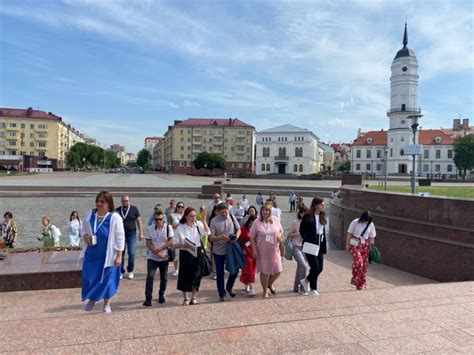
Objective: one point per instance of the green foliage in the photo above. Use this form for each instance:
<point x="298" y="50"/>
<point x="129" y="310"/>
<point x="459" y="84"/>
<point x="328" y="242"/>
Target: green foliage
<point x="209" y="161"/>
<point x="464" y="153"/>
<point x="345" y="165"/>
<point x="144" y="159"/>
<point x="449" y="191"/>
<point x="82" y="155"/>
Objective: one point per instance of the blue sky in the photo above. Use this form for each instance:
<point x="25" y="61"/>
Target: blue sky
<point x="122" y="70"/>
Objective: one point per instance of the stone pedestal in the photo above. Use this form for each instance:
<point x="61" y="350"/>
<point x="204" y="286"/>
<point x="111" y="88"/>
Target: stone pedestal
<point x="25" y="271"/>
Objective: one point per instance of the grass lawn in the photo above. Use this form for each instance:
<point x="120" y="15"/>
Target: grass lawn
<point x="448" y="191"/>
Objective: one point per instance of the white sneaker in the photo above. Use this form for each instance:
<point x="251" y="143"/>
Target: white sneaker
<point x="313" y="293"/>
<point x="175" y="273"/>
<point x="353" y="286"/>
<point x="130" y="275"/>
<point x="247" y="288"/>
<point x="252" y="292"/>
<point x="305" y="284"/>
<point x="107" y="309"/>
<point x="121" y="276"/>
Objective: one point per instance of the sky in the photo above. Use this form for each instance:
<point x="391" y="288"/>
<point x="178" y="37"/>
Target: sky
<point x="121" y="70"/>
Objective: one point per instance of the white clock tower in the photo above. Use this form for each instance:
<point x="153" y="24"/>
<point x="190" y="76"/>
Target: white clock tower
<point x="403" y="103"/>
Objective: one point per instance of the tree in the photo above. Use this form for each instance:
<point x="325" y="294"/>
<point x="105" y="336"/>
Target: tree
<point x="112" y="161"/>
<point x="464" y="153"/>
<point x="144" y="159"/>
<point x="345" y="165"/>
<point x="209" y="161"/>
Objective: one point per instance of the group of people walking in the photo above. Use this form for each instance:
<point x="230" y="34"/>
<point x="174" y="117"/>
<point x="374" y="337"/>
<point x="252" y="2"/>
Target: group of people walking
<point x="212" y="240"/>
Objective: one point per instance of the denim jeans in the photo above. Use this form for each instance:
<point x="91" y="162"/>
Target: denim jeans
<point x="219" y="261"/>
<point x="152" y="265"/>
<point x="130" y="246"/>
<point x="300" y="266"/>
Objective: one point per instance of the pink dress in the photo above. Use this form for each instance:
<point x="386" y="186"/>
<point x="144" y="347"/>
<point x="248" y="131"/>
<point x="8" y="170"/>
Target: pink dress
<point x="268" y="247"/>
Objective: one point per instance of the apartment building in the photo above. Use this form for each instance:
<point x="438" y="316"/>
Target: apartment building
<point x="34" y="133"/>
<point x="232" y="138"/>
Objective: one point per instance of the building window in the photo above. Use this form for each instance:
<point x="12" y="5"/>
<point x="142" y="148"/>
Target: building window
<point x="369" y="153"/>
<point x="438" y="153"/>
<point x="426" y="168"/>
<point x="358" y="153"/>
<point x="41" y="126"/>
<point x="379" y="153"/>
<point x="12" y="125"/>
<point x="449" y="168"/>
<point x="357" y="166"/>
<point x="298" y="152"/>
<point x="367" y="167"/>
<point x="42" y="154"/>
<point x="12" y="143"/>
<point x="32" y="126"/>
<point x="22" y="125"/>
<point x="437" y="168"/>
<point x="181" y="163"/>
<point x="295" y="168"/>
<point x="301" y="168"/>
<point x="379" y="167"/>
<point x="450" y="154"/>
<point x="426" y="154"/>
<point x="263" y="167"/>
<point x="391" y="152"/>
<point x="268" y="167"/>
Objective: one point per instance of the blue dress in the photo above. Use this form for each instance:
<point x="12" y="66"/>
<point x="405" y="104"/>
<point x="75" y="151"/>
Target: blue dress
<point x="92" y="287"/>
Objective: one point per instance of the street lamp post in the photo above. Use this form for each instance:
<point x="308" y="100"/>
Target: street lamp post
<point x="385" y="154"/>
<point x="414" y="128"/>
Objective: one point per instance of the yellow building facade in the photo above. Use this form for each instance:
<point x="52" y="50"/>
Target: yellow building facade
<point x="36" y="133"/>
<point x="233" y="139"/>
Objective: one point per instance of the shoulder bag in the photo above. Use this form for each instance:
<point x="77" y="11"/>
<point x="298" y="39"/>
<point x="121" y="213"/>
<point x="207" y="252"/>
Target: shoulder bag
<point x="171" y="251"/>
<point x="204" y="261"/>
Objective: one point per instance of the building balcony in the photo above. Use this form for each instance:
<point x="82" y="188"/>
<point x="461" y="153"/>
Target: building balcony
<point x="41" y="148"/>
<point x="14" y="129"/>
<point x="37" y="129"/>
<point x="410" y="110"/>
<point x="9" y="147"/>
<point x="240" y="143"/>
<point x="281" y="158"/>
<point x="41" y="139"/>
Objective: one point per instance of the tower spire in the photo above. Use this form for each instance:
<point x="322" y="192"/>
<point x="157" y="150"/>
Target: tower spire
<point x="405" y="37"/>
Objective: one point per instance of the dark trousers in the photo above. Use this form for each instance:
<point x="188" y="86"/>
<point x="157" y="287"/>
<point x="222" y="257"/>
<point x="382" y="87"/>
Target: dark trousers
<point x="219" y="261"/>
<point x="151" y="267"/>
<point x="292" y="206"/>
<point x="315" y="268"/>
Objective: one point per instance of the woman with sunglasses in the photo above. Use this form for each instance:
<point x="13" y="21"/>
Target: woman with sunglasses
<point x="175" y="220"/>
<point x="104" y="236"/>
<point x="9" y="231"/>
<point x="189" y="236"/>
<point x="159" y="237"/>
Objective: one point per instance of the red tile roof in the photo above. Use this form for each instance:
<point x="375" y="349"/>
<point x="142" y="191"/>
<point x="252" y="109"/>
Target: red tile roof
<point x="378" y="138"/>
<point x="28" y="113"/>
<point x="217" y="122"/>
<point x="425" y="137"/>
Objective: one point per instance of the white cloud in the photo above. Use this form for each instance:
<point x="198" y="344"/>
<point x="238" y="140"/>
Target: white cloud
<point x="173" y="105"/>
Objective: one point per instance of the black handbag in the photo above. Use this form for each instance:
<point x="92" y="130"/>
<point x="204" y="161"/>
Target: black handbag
<point x="205" y="263"/>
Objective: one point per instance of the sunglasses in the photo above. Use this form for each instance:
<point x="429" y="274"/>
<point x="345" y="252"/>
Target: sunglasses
<point x="180" y="206"/>
<point x="159" y="219"/>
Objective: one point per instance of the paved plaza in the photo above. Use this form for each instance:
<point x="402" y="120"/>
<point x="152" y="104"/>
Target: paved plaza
<point x="398" y="313"/>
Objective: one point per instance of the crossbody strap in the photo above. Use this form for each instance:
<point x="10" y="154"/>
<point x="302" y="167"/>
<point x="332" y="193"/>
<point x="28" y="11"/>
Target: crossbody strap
<point x="365" y="229"/>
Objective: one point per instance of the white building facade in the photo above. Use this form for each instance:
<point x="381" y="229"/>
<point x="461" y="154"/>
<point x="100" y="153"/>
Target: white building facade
<point x="287" y="149"/>
<point x="380" y="152"/>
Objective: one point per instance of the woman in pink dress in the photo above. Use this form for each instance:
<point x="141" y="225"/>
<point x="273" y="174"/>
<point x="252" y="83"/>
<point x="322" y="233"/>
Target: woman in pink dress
<point x="265" y="236"/>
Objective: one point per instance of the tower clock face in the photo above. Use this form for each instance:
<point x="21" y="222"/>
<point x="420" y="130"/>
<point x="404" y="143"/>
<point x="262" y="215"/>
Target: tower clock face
<point x="404" y="69"/>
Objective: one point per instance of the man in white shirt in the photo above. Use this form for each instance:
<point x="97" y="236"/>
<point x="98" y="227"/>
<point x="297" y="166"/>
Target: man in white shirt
<point x="216" y="199"/>
<point x="238" y="211"/>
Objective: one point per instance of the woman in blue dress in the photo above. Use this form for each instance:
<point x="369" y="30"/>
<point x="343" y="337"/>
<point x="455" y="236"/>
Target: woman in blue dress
<point x="104" y="236"/>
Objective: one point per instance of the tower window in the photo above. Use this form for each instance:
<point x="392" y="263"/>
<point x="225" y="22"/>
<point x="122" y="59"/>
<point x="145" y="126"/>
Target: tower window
<point x="404" y="107"/>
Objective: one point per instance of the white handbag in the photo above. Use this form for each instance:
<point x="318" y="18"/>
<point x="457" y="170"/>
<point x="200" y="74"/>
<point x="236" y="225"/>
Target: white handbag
<point x="310" y="248"/>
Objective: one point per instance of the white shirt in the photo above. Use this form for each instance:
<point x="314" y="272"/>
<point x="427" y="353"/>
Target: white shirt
<point x="237" y="211"/>
<point x="176" y="217"/>
<point x="276" y="212"/>
<point x="319" y="226"/>
<point x="191" y="233"/>
<point x="356" y="229"/>
<point x="158" y="237"/>
<point x="244" y="203"/>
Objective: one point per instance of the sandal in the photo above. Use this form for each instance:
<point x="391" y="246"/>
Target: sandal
<point x="186" y="302"/>
<point x="272" y="290"/>
<point x="193" y="301"/>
